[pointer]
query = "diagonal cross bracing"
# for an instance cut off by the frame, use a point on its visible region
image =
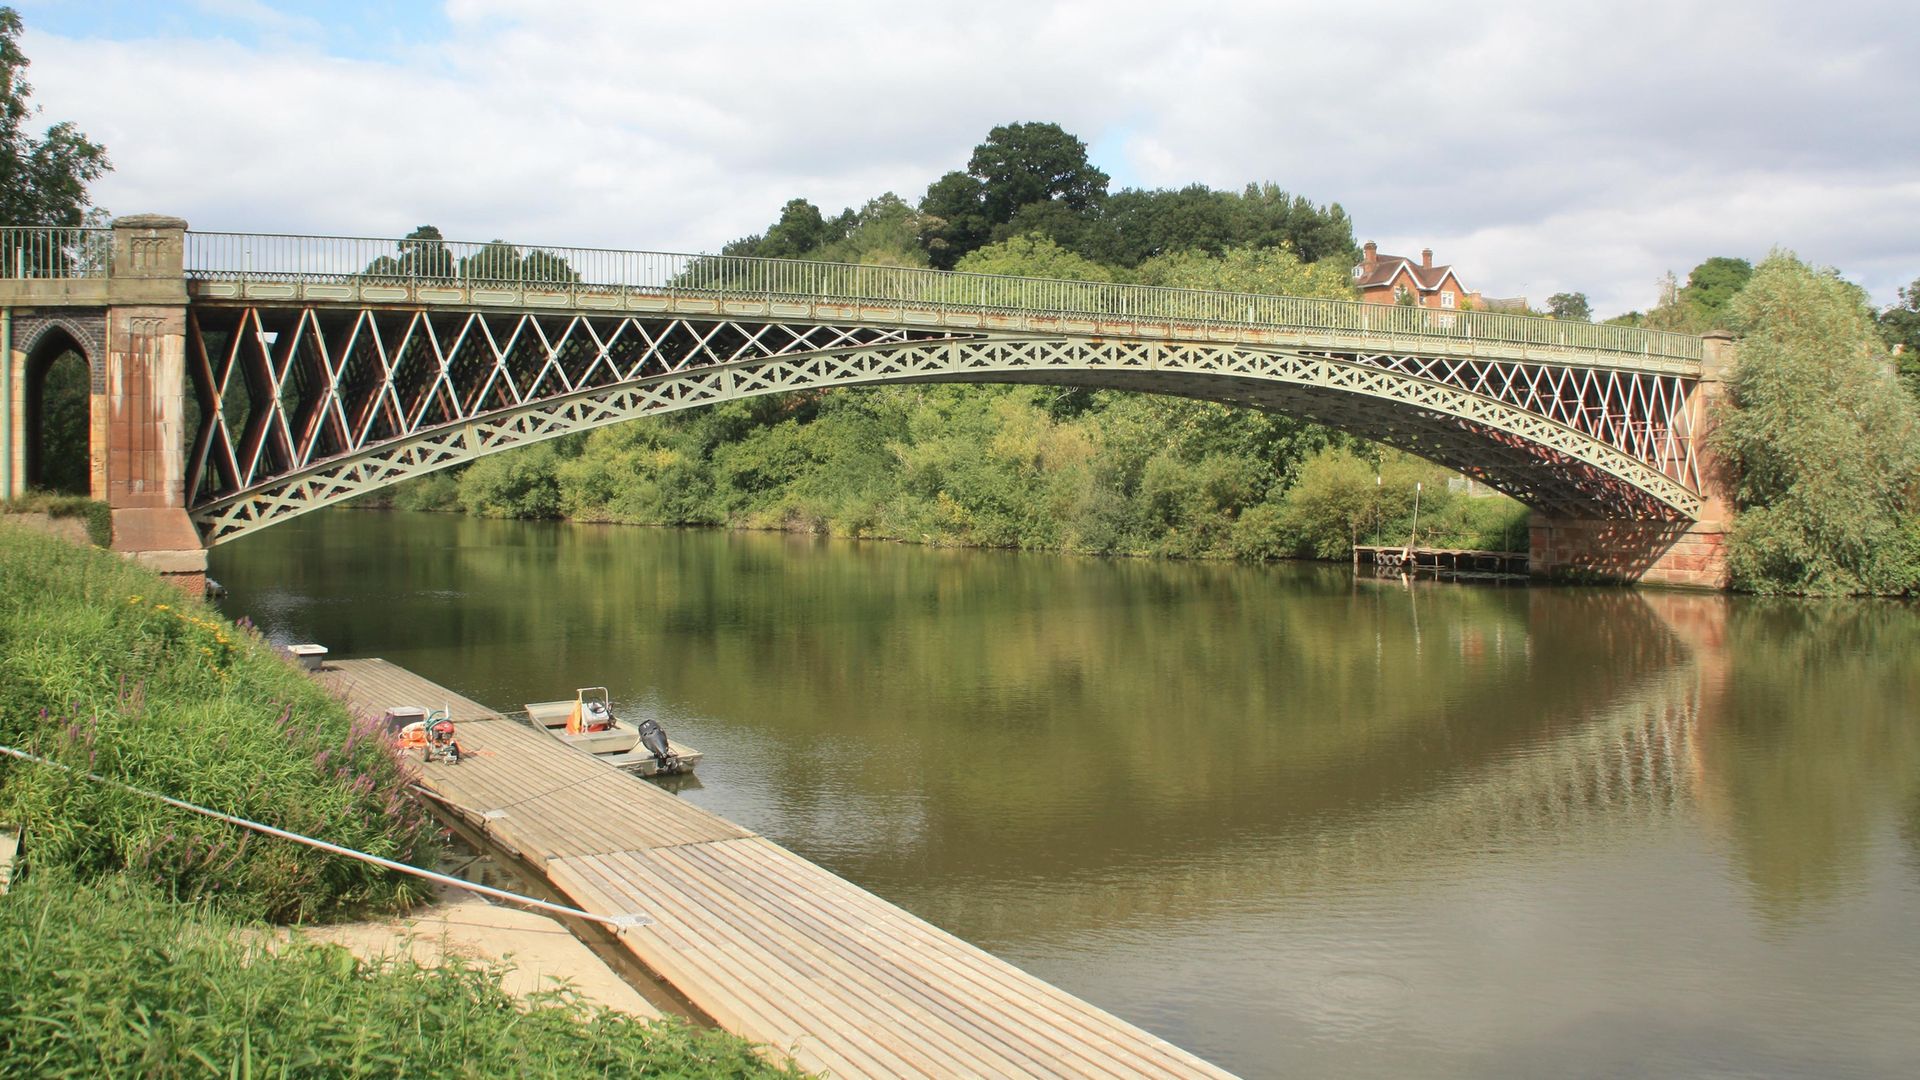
(340, 401)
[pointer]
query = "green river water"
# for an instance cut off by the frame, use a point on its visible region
(1298, 823)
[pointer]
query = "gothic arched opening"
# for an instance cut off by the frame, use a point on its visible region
(59, 421)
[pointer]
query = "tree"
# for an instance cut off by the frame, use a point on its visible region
(885, 232)
(800, 229)
(1570, 305)
(43, 181)
(1135, 225)
(1268, 217)
(502, 261)
(1275, 271)
(1900, 324)
(954, 218)
(1032, 256)
(423, 253)
(1713, 284)
(1029, 163)
(1142, 224)
(1824, 457)
(1699, 305)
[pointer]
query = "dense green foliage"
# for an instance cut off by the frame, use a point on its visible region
(424, 253)
(104, 668)
(1570, 305)
(1825, 449)
(1014, 467)
(1699, 305)
(43, 181)
(1034, 181)
(111, 979)
(1901, 326)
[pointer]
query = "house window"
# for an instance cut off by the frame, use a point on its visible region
(1446, 299)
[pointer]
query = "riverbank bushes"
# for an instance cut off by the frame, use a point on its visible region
(107, 670)
(1042, 469)
(1822, 443)
(111, 978)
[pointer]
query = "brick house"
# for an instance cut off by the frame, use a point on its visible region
(1386, 279)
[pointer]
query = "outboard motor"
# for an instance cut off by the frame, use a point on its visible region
(654, 738)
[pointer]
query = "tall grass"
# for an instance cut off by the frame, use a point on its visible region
(108, 670)
(111, 979)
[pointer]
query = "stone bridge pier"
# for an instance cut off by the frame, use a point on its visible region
(1688, 554)
(130, 327)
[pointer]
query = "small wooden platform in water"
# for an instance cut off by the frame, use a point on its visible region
(1456, 560)
(771, 946)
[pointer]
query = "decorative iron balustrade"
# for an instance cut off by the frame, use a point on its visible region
(258, 257)
(39, 251)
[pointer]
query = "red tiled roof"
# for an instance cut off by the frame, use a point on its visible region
(1428, 278)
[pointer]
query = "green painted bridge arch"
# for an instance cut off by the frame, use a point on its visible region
(314, 369)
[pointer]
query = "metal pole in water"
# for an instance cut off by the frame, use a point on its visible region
(1406, 556)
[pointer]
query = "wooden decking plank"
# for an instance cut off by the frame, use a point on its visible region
(1020, 1038)
(905, 1008)
(1021, 1000)
(766, 1016)
(727, 975)
(806, 881)
(845, 1002)
(907, 953)
(974, 1050)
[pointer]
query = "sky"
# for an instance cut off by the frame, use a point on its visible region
(1538, 148)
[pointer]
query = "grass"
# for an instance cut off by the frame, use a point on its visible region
(113, 979)
(106, 669)
(134, 940)
(99, 517)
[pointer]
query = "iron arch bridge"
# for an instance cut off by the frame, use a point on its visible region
(325, 368)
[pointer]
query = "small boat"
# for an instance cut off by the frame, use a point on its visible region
(588, 723)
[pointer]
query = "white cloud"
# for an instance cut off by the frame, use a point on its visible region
(1538, 149)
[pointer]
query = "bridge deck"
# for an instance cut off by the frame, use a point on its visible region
(773, 947)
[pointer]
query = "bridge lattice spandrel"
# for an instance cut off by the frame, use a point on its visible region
(303, 404)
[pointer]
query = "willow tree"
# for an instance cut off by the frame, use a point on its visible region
(1823, 445)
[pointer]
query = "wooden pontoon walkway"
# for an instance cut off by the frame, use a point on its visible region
(771, 946)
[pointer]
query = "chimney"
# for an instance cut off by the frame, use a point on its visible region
(1372, 258)
(1426, 258)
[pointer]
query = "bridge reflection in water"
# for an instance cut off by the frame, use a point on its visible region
(1297, 823)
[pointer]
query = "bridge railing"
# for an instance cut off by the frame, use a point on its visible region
(36, 251)
(339, 260)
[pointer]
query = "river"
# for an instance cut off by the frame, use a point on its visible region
(1298, 823)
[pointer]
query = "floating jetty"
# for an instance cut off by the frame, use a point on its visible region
(1444, 560)
(770, 946)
